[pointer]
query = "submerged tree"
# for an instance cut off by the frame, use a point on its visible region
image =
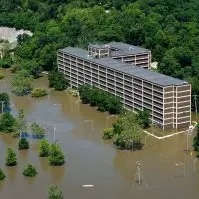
(30, 171)
(2, 175)
(7, 122)
(22, 82)
(56, 156)
(21, 122)
(44, 148)
(54, 192)
(23, 144)
(11, 158)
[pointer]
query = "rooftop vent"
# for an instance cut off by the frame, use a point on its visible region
(106, 45)
(131, 48)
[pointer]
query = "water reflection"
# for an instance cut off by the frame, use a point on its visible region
(44, 164)
(11, 173)
(57, 173)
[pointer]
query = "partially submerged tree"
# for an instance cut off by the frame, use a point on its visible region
(54, 192)
(30, 171)
(7, 123)
(11, 158)
(56, 156)
(44, 148)
(23, 144)
(21, 122)
(22, 82)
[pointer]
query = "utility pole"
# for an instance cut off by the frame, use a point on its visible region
(195, 100)
(2, 106)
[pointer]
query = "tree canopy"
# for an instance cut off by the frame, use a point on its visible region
(168, 28)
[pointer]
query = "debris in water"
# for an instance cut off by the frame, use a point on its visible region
(87, 185)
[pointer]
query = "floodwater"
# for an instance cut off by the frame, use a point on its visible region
(167, 170)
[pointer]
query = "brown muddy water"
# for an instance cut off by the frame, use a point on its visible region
(90, 160)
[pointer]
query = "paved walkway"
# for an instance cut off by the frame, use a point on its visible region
(167, 136)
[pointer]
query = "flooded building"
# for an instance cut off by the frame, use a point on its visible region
(106, 67)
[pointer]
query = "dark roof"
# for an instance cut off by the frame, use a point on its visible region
(130, 69)
(120, 49)
(125, 49)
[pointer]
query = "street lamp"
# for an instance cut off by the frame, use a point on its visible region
(91, 123)
(108, 118)
(58, 105)
(194, 165)
(182, 164)
(138, 164)
(189, 131)
(54, 133)
(2, 106)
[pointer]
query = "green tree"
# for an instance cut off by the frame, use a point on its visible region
(22, 82)
(11, 158)
(36, 129)
(54, 192)
(7, 123)
(38, 92)
(21, 122)
(2, 175)
(56, 156)
(108, 133)
(144, 118)
(131, 133)
(196, 140)
(30, 171)
(44, 148)
(23, 144)
(57, 81)
(4, 97)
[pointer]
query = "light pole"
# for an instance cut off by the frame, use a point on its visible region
(91, 123)
(77, 101)
(58, 105)
(2, 106)
(188, 133)
(184, 167)
(138, 164)
(108, 118)
(194, 165)
(195, 100)
(54, 134)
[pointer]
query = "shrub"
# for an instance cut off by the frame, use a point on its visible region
(30, 171)
(39, 92)
(44, 148)
(56, 156)
(23, 144)
(2, 174)
(11, 159)
(108, 133)
(54, 192)
(1, 76)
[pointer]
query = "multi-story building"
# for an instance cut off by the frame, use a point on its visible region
(168, 99)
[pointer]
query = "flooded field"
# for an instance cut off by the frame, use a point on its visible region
(167, 170)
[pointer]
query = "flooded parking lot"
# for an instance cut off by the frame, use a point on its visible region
(167, 170)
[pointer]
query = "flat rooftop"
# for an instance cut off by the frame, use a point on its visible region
(129, 69)
(120, 49)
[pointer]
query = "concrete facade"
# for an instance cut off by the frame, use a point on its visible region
(167, 99)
